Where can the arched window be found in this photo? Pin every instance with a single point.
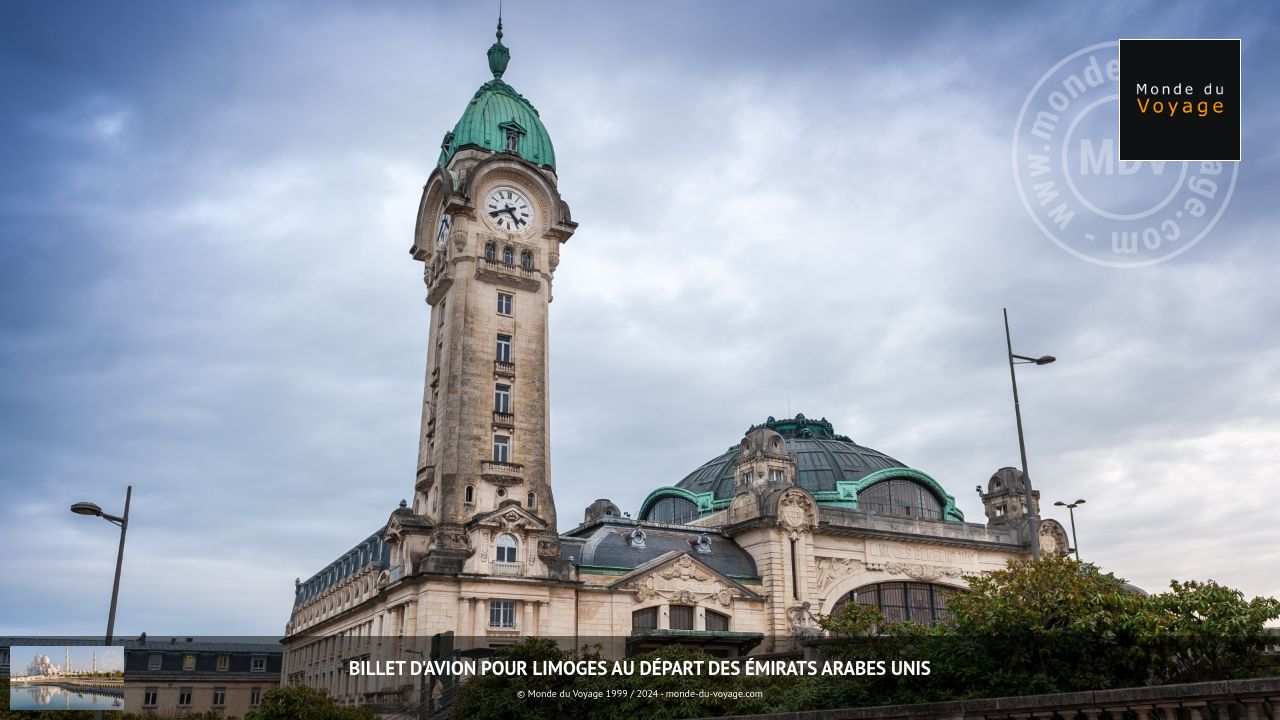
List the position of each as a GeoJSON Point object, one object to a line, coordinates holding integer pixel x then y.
{"type": "Point", "coordinates": [469, 496]}
{"type": "Point", "coordinates": [532, 500]}
{"type": "Point", "coordinates": [508, 255]}
{"type": "Point", "coordinates": [717, 622]}
{"type": "Point", "coordinates": [507, 549]}
{"type": "Point", "coordinates": [924, 603]}
{"type": "Point", "coordinates": [673, 510]}
{"type": "Point", "coordinates": [490, 251]}
{"type": "Point", "coordinates": [646, 619]}
{"type": "Point", "coordinates": [901, 497]}
{"type": "Point", "coordinates": [526, 260]}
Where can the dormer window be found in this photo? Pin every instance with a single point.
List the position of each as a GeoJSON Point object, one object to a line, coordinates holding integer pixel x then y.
{"type": "Point", "coordinates": [512, 133]}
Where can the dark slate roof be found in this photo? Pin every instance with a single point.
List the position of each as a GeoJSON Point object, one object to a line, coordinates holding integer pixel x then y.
{"type": "Point", "coordinates": [253, 645]}
{"type": "Point", "coordinates": [163, 645]}
{"type": "Point", "coordinates": [822, 459]}
{"type": "Point", "coordinates": [372, 551]}
{"type": "Point", "coordinates": [608, 544]}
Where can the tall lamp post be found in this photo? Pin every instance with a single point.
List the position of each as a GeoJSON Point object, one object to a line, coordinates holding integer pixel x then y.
{"type": "Point", "coordinates": [1033, 518]}
{"type": "Point", "coordinates": [1071, 508]}
{"type": "Point", "coordinates": [88, 508]}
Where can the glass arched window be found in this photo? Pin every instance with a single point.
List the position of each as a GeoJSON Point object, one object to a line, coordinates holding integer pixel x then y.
{"type": "Point", "coordinates": [506, 548]}
{"type": "Point", "coordinates": [469, 496]}
{"type": "Point", "coordinates": [901, 497]}
{"type": "Point", "coordinates": [673, 510]}
{"type": "Point", "coordinates": [526, 260]}
{"type": "Point", "coordinates": [531, 500]}
{"type": "Point", "coordinates": [508, 255]}
{"type": "Point", "coordinates": [924, 603]}
{"type": "Point", "coordinates": [490, 251]}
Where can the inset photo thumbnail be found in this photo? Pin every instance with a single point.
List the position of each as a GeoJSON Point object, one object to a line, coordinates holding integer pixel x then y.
{"type": "Point", "coordinates": [66, 677]}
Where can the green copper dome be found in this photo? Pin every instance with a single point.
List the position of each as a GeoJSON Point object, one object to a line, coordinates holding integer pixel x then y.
{"type": "Point", "coordinates": [499, 119]}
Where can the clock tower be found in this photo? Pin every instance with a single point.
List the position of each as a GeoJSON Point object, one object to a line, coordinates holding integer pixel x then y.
{"type": "Point", "coordinates": [489, 231]}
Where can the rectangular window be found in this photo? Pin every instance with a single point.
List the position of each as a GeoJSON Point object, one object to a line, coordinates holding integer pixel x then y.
{"type": "Point", "coordinates": [222, 663]}
{"type": "Point", "coordinates": [153, 662]}
{"type": "Point", "coordinates": [219, 697]}
{"type": "Point", "coordinates": [150, 697]}
{"type": "Point", "coordinates": [795, 573]}
{"type": "Point", "coordinates": [506, 301]}
{"type": "Point", "coordinates": [501, 448]}
{"type": "Point", "coordinates": [188, 662]}
{"type": "Point", "coordinates": [504, 349]}
{"type": "Point", "coordinates": [502, 399]}
{"type": "Point", "coordinates": [502, 613]}
{"type": "Point", "coordinates": [259, 665]}
{"type": "Point", "coordinates": [255, 697]}
{"type": "Point", "coordinates": [184, 697]}
{"type": "Point", "coordinates": [775, 476]}
{"type": "Point", "coordinates": [681, 617]}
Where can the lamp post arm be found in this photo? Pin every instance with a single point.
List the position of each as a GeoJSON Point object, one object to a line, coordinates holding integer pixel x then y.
{"type": "Point", "coordinates": [115, 587]}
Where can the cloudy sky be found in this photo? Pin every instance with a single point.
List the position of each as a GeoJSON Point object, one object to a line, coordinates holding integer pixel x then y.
{"type": "Point", "coordinates": [205, 212]}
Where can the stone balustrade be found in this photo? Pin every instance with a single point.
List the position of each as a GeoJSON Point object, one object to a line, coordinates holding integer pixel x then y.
{"type": "Point", "coordinates": [1255, 699]}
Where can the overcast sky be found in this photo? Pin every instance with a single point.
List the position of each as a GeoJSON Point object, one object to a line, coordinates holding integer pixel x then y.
{"type": "Point", "coordinates": [205, 289]}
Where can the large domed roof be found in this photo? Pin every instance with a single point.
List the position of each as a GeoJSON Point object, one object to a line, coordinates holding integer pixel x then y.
{"type": "Point", "coordinates": [495, 109]}
{"type": "Point", "coordinates": [823, 458]}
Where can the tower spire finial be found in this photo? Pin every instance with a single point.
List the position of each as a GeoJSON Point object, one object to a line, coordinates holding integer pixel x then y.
{"type": "Point", "coordinates": [499, 55]}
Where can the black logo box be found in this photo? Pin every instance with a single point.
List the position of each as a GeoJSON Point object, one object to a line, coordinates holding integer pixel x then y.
{"type": "Point", "coordinates": [1186, 68]}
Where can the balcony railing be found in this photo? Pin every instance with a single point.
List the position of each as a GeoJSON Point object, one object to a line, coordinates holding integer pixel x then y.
{"type": "Point", "coordinates": [506, 369]}
{"type": "Point", "coordinates": [504, 419]}
{"type": "Point", "coordinates": [502, 472]}
{"type": "Point", "coordinates": [508, 569]}
{"type": "Point", "coordinates": [511, 273]}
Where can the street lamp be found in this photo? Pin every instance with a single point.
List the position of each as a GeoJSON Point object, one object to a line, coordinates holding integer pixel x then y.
{"type": "Point", "coordinates": [1033, 518]}
{"type": "Point", "coordinates": [91, 509]}
{"type": "Point", "coordinates": [1071, 508]}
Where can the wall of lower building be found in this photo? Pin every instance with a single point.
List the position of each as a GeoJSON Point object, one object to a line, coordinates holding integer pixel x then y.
{"type": "Point", "coordinates": [239, 696]}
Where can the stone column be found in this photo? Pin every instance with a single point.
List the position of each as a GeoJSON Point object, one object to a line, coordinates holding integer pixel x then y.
{"type": "Point", "coordinates": [481, 622]}
{"type": "Point", "coordinates": [1253, 709]}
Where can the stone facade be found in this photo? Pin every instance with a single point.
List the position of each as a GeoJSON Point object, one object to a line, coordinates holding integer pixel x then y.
{"type": "Point", "coordinates": [739, 558]}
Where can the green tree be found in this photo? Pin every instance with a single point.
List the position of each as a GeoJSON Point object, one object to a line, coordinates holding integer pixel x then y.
{"type": "Point", "coordinates": [1210, 632]}
{"type": "Point", "coordinates": [303, 703]}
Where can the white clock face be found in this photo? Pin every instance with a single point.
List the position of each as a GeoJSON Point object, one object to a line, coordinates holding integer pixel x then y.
{"type": "Point", "coordinates": [508, 209]}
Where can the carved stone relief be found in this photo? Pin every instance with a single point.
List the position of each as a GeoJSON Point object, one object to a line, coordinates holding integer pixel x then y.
{"type": "Point", "coordinates": [831, 570]}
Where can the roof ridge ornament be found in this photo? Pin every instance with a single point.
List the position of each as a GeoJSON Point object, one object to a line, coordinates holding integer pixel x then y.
{"type": "Point", "coordinates": [499, 55]}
